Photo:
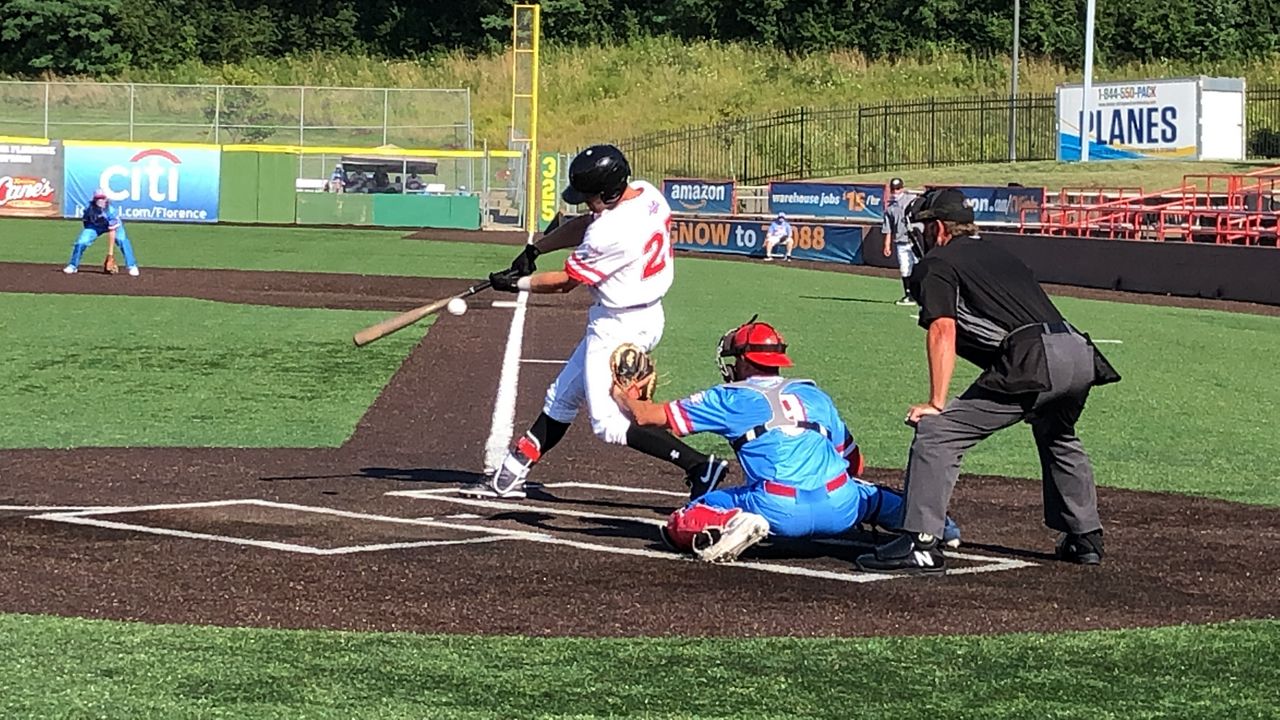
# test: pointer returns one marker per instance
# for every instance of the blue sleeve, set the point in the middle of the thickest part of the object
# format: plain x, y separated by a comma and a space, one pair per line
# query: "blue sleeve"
113, 217
707, 411
87, 216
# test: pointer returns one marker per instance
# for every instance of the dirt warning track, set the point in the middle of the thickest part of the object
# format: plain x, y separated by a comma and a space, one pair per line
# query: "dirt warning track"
370, 536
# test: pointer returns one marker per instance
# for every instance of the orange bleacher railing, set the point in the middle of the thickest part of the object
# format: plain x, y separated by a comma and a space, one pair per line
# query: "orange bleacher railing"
1223, 208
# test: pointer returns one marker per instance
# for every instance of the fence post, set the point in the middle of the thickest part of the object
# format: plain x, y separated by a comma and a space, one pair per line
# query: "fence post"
688, 150
130, 111
217, 114
982, 131
484, 190
46, 110
302, 116
803, 122
933, 129
884, 137
386, 104
857, 143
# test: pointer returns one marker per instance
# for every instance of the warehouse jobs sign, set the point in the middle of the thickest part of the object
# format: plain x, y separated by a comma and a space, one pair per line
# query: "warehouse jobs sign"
1130, 121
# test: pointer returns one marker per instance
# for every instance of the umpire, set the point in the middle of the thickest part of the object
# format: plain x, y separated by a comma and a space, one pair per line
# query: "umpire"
981, 303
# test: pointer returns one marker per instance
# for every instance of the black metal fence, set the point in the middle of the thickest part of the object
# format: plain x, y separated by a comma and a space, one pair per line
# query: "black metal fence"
1262, 121
855, 139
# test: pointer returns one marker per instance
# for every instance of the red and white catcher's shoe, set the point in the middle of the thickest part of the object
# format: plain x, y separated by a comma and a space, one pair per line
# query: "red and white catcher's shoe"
742, 531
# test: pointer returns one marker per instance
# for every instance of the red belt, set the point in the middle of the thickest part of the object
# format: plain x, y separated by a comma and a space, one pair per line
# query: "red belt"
775, 488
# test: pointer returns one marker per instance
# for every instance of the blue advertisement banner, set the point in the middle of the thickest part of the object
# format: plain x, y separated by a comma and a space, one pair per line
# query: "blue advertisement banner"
169, 184
846, 201
1002, 205
824, 243
713, 197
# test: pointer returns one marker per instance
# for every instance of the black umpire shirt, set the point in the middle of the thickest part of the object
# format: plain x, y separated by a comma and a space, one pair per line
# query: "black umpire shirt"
990, 293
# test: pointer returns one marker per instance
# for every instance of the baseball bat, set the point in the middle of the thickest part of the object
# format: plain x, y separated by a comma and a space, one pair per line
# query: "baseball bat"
409, 317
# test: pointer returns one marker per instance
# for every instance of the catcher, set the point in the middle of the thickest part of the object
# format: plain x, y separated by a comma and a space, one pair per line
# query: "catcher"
800, 460
101, 217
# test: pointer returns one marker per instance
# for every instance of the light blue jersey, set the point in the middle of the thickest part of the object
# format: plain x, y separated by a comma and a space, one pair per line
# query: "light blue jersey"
793, 448
806, 445
797, 455
780, 228
98, 221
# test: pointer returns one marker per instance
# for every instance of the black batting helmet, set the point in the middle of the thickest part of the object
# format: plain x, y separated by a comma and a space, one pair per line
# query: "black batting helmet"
599, 170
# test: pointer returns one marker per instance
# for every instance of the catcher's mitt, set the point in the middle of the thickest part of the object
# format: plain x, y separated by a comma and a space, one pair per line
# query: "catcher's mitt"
109, 265
634, 370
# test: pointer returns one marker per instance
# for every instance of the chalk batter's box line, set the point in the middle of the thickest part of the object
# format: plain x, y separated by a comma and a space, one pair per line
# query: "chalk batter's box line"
85, 517
987, 563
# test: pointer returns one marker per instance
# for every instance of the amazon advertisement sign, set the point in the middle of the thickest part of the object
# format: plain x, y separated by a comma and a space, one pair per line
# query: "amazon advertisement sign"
846, 201
709, 197
147, 182
813, 241
1001, 205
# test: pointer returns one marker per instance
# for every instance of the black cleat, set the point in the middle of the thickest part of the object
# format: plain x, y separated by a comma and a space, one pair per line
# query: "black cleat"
706, 476
1083, 549
909, 554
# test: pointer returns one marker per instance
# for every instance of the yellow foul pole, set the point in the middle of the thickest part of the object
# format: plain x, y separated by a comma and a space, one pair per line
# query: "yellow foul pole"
526, 31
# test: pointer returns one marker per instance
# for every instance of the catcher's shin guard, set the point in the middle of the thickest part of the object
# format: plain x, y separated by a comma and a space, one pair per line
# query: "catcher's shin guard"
713, 534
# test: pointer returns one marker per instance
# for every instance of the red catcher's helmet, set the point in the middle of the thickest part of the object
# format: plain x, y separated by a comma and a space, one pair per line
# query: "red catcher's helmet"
99, 194
758, 342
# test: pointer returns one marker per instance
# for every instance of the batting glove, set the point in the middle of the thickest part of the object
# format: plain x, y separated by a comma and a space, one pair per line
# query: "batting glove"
504, 280
525, 263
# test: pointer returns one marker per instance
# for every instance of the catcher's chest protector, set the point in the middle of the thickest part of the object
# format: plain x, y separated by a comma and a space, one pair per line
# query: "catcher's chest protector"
780, 416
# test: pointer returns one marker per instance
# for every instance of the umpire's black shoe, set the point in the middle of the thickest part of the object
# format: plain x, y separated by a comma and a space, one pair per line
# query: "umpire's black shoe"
1083, 549
706, 476
909, 554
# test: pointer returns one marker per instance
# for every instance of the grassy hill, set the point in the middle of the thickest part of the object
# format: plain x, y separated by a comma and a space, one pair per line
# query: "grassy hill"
613, 92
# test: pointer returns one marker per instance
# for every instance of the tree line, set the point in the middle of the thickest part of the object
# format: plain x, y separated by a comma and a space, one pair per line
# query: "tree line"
102, 37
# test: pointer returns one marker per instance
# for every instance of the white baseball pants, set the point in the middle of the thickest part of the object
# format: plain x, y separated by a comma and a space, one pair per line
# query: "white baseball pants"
588, 379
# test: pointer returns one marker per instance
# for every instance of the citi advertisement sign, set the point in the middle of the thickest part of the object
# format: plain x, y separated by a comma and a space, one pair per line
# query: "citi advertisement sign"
167, 184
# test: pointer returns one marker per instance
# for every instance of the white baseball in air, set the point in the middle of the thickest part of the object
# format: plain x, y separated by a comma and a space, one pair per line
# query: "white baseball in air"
457, 306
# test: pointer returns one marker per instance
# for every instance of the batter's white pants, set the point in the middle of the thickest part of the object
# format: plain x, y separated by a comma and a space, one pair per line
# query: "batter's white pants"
588, 379
906, 258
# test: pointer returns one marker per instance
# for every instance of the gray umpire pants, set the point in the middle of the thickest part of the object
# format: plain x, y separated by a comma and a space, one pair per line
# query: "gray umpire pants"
1070, 496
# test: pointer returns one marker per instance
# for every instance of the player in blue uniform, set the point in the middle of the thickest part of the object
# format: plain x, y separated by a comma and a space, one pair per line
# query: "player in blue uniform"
800, 461
99, 218
779, 232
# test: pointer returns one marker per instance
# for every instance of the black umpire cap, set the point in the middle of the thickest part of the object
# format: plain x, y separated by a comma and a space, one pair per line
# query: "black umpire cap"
895, 184
944, 204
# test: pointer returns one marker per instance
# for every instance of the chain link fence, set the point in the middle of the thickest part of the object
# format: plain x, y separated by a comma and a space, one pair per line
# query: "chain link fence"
229, 114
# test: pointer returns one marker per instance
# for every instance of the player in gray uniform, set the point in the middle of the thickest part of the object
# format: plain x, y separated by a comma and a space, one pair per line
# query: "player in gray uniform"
896, 238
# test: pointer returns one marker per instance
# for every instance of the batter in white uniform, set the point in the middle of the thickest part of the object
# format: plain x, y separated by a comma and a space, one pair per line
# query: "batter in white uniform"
624, 257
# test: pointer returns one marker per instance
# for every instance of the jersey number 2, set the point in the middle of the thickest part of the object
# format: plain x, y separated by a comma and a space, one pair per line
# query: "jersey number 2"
656, 249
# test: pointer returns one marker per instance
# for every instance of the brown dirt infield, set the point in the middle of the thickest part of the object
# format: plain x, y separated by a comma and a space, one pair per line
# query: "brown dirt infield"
311, 538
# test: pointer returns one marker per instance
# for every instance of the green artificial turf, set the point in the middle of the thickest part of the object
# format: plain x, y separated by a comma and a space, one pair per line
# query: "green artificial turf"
375, 252
1189, 416
86, 370
72, 668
